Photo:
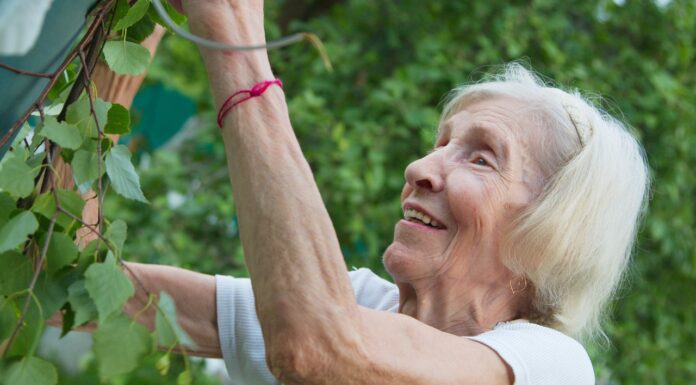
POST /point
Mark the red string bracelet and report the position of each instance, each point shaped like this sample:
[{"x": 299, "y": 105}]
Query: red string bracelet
[{"x": 258, "y": 89}]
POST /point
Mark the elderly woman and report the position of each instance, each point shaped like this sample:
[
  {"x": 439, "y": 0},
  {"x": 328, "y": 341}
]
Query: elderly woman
[{"x": 517, "y": 227}]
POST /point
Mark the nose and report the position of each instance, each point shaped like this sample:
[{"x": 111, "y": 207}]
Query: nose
[{"x": 426, "y": 173}]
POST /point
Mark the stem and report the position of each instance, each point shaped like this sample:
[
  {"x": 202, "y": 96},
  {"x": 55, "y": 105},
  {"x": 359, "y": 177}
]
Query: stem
[{"x": 24, "y": 72}]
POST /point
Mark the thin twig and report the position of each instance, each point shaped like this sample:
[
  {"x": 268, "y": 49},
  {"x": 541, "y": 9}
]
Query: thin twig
[
  {"x": 85, "y": 224},
  {"x": 25, "y": 72}
]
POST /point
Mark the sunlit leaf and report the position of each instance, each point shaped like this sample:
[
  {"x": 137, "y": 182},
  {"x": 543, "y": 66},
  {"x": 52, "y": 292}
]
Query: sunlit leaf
[
  {"x": 62, "y": 133},
  {"x": 85, "y": 167},
  {"x": 124, "y": 179},
  {"x": 125, "y": 57}
]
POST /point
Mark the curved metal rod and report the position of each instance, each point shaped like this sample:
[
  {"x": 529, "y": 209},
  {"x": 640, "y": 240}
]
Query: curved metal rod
[{"x": 282, "y": 42}]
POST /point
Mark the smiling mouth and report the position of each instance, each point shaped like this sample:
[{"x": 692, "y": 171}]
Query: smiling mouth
[{"x": 416, "y": 216}]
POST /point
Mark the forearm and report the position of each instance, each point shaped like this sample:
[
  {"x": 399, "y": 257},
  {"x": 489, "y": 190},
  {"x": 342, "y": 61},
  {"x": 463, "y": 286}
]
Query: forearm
[
  {"x": 193, "y": 294},
  {"x": 291, "y": 248}
]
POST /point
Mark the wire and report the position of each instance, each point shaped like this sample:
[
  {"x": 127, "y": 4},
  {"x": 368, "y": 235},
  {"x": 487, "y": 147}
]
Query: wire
[{"x": 282, "y": 42}]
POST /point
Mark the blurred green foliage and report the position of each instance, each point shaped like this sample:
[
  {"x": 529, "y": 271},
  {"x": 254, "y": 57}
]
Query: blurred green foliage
[{"x": 360, "y": 125}]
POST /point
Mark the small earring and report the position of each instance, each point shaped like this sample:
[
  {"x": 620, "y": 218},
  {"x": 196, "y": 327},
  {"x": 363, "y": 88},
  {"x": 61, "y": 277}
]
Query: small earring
[{"x": 514, "y": 292}]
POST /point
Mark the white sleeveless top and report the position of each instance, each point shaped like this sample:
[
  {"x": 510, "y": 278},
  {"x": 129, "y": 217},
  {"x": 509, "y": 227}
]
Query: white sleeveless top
[{"x": 537, "y": 355}]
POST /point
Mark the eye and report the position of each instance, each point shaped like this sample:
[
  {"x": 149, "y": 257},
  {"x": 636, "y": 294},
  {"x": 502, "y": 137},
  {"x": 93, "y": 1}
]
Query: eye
[{"x": 480, "y": 161}]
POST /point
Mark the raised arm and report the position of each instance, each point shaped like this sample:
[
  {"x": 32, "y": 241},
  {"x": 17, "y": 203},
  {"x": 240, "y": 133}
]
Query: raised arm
[
  {"x": 314, "y": 331},
  {"x": 292, "y": 252}
]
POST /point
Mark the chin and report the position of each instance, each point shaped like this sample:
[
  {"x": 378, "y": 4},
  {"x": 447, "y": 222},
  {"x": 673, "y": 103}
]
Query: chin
[{"x": 402, "y": 263}]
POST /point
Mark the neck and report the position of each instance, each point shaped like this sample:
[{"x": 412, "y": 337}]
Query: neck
[{"x": 460, "y": 305}]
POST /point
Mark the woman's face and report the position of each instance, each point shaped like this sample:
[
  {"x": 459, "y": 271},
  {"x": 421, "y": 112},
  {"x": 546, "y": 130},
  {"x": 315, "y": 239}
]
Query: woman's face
[{"x": 459, "y": 200}]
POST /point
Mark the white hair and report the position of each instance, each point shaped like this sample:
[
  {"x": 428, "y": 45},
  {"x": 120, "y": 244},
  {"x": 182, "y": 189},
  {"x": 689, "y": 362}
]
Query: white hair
[{"x": 573, "y": 242}]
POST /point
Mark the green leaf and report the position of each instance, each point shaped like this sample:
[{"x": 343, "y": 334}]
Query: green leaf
[
  {"x": 178, "y": 18},
  {"x": 124, "y": 179},
  {"x": 184, "y": 378},
  {"x": 134, "y": 14},
  {"x": 141, "y": 30},
  {"x": 118, "y": 120},
  {"x": 31, "y": 371},
  {"x": 117, "y": 233},
  {"x": 85, "y": 167},
  {"x": 125, "y": 57},
  {"x": 163, "y": 364},
  {"x": 70, "y": 201},
  {"x": 68, "y": 320},
  {"x": 80, "y": 114},
  {"x": 8, "y": 318},
  {"x": 119, "y": 344},
  {"x": 21, "y": 135},
  {"x": 108, "y": 287},
  {"x": 7, "y": 204},
  {"x": 51, "y": 293},
  {"x": 16, "y": 177},
  {"x": 16, "y": 272},
  {"x": 167, "y": 329},
  {"x": 62, "y": 133},
  {"x": 120, "y": 10},
  {"x": 81, "y": 303},
  {"x": 17, "y": 230},
  {"x": 61, "y": 251}
]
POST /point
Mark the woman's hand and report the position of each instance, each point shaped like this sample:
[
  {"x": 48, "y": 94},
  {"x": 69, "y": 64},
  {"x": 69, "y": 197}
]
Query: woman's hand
[{"x": 233, "y": 21}]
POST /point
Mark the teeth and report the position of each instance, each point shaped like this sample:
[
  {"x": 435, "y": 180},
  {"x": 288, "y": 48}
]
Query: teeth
[{"x": 413, "y": 214}]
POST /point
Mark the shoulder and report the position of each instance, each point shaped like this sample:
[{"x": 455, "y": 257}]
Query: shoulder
[{"x": 539, "y": 355}]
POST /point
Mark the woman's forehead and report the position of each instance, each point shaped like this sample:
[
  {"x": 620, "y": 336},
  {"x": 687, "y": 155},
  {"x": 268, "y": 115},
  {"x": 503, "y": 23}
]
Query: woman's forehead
[{"x": 500, "y": 119}]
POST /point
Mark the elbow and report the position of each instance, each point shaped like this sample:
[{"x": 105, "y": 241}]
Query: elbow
[{"x": 295, "y": 363}]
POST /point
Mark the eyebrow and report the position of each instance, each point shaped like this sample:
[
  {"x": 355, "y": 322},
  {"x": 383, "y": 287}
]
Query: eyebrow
[{"x": 492, "y": 137}]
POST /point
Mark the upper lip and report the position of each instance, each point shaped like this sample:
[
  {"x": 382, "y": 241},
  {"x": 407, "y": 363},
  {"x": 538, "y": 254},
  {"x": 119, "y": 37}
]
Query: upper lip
[{"x": 417, "y": 207}]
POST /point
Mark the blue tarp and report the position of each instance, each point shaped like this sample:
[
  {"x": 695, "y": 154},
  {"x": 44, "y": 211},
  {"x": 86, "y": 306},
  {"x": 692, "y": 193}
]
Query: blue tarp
[{"x": 63, "y": 23}]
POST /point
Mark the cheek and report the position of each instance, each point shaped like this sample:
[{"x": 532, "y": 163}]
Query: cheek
[{"x": 466, "y": 195}]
